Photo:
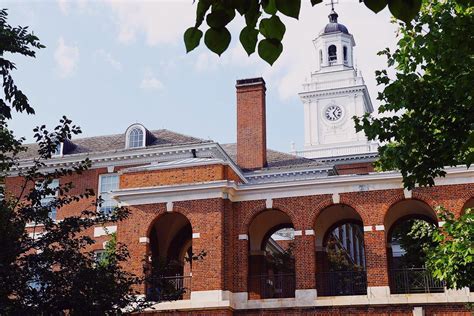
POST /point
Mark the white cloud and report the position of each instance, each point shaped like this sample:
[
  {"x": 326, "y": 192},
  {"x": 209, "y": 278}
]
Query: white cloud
[
  {"x": 108, "y": 58},
  {"x": 160, "y": 21},
  {"x": 67, "y": 58},
  {"x": 150, "y": 82}
]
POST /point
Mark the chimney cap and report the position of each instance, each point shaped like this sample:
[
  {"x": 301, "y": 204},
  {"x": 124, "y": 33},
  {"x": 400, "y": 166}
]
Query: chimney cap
[{"x": 250, "y": 82}]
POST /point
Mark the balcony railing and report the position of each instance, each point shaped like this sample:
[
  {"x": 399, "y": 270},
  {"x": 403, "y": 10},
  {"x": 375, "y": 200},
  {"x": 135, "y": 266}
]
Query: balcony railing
[
  {"x": 272, "y": 285},
  {"x": 169, "y": 288},
  {"x": 340, "y": 283},
  {"x": 417, "y": 280}
]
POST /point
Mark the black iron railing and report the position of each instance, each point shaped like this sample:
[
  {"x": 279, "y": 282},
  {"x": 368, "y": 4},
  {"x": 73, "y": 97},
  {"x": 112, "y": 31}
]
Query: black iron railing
[
  {"x": 169, "y": 288},
  {"x": 339, "y": 283},
  {"x": 416, "y": 280},
  {"x": 273, "y": 285}
]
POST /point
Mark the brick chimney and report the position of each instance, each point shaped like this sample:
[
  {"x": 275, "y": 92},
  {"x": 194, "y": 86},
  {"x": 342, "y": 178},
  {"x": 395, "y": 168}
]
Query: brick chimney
[{"x": 251, "y": 124}]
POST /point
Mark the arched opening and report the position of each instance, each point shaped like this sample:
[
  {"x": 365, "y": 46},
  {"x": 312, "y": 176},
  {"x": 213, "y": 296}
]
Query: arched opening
[
  {"x": 340, "y": 252},
  {"x": 320, "y": 57},
  {"x": 332, "y": 54},
  {"x": 170, "y": 264},
  {"x": 344, "y": 51},
  {"x": 468, "y": 204},
  {"x": 409, "y": 225},
  {"x": 271, "y": 260}
]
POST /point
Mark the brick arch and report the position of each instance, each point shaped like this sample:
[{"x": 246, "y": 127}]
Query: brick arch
[
  {"x": 161, "y": 213},
  {"x": 256, "y": 238},
  {"x": 468, "y": 204},
  {"x": 251, "y": 215},
  {"x": 422, "y": 209},
  {"x": 322, "y": 225}
]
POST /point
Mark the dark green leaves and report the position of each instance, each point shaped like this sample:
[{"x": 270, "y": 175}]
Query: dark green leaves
[
  {"x": 404, "y": 10},
  {"x": 192, "y": 37},
  {"x": 217, "y": 40},
  {"x": 272, "y": 28},
  {"x": 248, "y": 39},
  {"x": 219, "y": 13},
  {"x": 375, "y": 5},
  {"x": 290, "y": 8},
  {"x": 269, "y": 50}
]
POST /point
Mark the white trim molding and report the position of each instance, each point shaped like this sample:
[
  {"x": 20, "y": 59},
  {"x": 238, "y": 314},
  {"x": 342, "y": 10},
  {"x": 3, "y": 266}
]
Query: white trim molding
[
  {"x": 368, "y": 228},
  {"x": 379, "y": 227},
  {"x": 104, "y": 230},
  {"x": 144, "y": 240},
  {"x": 336, "y": 198},
  {"x": 309, "y": 232},
  {"x": 269, "y": 203},
  {"x": 196, "y": 235}
]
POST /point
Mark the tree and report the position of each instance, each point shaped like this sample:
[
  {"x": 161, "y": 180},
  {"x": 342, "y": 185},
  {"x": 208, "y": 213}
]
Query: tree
[
  {"x": 219, "y": 13},
  {"x": 46, "y": 266},
  {"x": 452, "y": 260},
  {"x": 430, "y": 99}
]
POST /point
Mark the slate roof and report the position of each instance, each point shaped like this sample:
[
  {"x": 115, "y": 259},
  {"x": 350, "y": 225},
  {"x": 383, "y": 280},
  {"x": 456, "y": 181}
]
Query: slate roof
[
  {"x": 162, "y": 137},
  {"x": 277, "y": 159}
]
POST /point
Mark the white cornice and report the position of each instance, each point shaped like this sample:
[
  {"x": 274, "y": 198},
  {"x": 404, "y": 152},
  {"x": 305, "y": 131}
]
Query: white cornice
[{"x": 245, "y": 192}]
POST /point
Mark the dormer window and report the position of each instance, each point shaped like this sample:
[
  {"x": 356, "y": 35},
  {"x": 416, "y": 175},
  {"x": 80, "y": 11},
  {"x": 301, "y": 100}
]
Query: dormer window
[
  {"x": 332, "y": 54},
  {"x": 135, "y": 136}
]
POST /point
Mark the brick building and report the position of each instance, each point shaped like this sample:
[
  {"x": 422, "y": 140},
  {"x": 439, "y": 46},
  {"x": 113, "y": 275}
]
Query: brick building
[{"x": 246, "y": 206}]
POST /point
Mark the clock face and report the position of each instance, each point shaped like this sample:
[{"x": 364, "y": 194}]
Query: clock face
[{"x": 333, "y": 113}]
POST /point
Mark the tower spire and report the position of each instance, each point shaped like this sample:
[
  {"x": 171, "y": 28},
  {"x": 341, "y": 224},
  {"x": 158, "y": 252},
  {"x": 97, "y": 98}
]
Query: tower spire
[{"x": 333, "y": 15}]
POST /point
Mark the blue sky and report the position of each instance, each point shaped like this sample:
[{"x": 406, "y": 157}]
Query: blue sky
[{"x": 108, "y": 64}]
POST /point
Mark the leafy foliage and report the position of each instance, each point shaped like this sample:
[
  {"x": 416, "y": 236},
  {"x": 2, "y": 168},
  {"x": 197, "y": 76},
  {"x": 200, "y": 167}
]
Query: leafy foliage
[
  {"x": 415, "y": 239},
  {"x": 429, "y": 102},
  {"x": 219, "y": 13},
  {"x": 46, "y": 266},
  {"x": 452, "y": 260}
]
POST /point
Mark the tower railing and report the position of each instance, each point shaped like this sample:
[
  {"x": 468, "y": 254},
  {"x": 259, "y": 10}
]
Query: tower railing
[{"x": 414, "y": 280}]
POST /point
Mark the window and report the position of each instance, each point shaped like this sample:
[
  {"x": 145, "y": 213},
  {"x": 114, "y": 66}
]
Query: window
[
  {"x": 344, "y": 51},
  {"x": 320, "y": 57},
  {"x": 332, "y": 54},
  {"x": 58, "y": 151},
  {"x": 135, "y": 138},
  {"x": 48, "y": 199},
  {"x": 107, "y": 184},
  {"x": 99, "y": 255}
]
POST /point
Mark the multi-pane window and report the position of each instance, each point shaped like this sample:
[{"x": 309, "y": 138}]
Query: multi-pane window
[
  {"x": 107, "y": 184},
  {"x": 48, "y": 199},
  {"x": 135, "y": 138}
]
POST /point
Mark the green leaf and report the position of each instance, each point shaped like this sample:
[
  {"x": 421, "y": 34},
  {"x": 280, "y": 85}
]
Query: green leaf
[
  {"x": 289, "y": 8},
  {"x": 248, "y": 38},
  {"x": 269, "y": 6},
  {"x": 217, "y": 40},
  {"x": 315, "y": 2},
  {"x": 272, "y": 28},
  {"x": 202, "y": 8},
  {"x": 253, "y": 13},
  {"x": 192, "y": 37},
  {"x": 404, "y": 10},
  {"x": 375, "y": 5},
  {"x": 242, "y": 6},
  {"x": 269, "y": 50},
  {"x": 220, "y": 18}
]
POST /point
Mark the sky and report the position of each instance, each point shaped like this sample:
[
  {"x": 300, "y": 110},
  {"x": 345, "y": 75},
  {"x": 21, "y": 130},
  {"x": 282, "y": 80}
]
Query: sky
[{"x": 109, "y": 64}]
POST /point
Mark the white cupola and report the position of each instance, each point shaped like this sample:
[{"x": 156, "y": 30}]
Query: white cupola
[
  {"x": 334, "y": 46},
  {"x": 335, "y": 93}
]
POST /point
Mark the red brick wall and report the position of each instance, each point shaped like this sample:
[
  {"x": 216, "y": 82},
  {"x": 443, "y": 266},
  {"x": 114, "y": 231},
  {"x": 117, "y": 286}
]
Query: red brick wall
[
  {"x": 195, "y": 174},
  {"x": 355, "y": 168},
  {"x": 251, "y": 125}
]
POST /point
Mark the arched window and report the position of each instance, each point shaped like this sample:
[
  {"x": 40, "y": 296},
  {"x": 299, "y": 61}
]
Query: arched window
[
  {"x": 136, "y": 138},
  {"x": 344, "y": 51},
  {"x": 332, "y": 54},
  {"x": 320, "y": 57}
]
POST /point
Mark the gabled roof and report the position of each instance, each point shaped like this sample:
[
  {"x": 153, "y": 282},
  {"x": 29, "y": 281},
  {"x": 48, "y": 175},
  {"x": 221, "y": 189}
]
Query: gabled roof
[{"x": 162, "y": 137}]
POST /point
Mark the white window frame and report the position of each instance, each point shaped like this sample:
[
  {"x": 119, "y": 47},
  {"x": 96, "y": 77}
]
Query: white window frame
[
  {"x": 127, "y": 135},
  {"x": 61, "y": 151},
  {"x": 46, "y": 198},
  {"x": 105, "y": 195}
]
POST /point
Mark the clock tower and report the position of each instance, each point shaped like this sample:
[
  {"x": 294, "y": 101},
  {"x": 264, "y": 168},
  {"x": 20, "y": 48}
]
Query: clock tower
[{"x": 335, "y": 93}]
